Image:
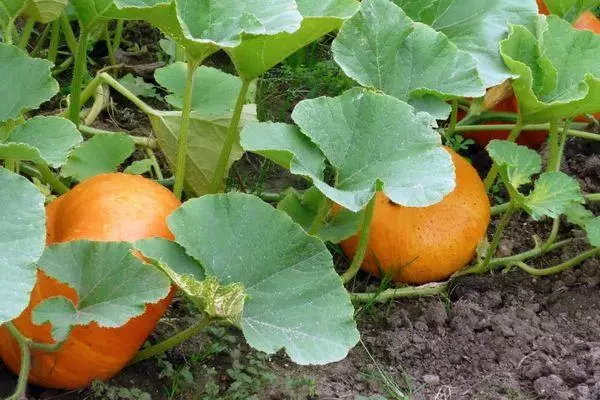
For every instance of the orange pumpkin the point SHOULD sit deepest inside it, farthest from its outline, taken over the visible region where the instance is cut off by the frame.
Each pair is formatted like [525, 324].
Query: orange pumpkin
[421, 245]
[109, 207]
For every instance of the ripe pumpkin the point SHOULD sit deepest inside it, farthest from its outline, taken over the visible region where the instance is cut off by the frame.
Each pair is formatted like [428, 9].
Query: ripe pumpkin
[421, 245]
[533, 139]
[109, 207]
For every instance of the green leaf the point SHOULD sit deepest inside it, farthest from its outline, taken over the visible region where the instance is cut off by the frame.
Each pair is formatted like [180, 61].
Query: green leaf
[519, 162]
[577, 214]
[475, 27]
[22, 239]
[139, 167]
[559, 70]
[296, 301]
[102, 153]
[381, 47]
[139, 87]
[47, 140]
[592, 228]
[205, 140]
[45, 11]
[304, 208]
[172, 254]
[215, 92]
[570, 9]
[9, 10]
[26, 82]
[368, 148]
[553, 194]
[204, 26]
[257, 54]
[285, 145]
[112, 285]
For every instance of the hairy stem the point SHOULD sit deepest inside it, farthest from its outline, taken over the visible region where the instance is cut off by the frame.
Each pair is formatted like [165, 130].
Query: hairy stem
[558, 268]
[67, 32]
[451, 130]
[23, 342]
[184, 130]
[40, 41]
[117, 38]
[363, 242]
[535, 252]
[514, 134]
[139, 141]
[77, 82]
[54, 41]
[171, 342]
[51, 179]
[109, 45]
[553, 141]
[232, 138]
[26, 34]
[322, 214]
[433, 289]
[155, 164]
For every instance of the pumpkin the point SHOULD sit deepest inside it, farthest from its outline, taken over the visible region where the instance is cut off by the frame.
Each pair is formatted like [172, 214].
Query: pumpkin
[421, 245]
[109, 207]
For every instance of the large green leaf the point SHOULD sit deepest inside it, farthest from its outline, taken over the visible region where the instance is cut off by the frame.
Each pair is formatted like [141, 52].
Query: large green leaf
[101, 154]
[559, 69]
[304, 208]
[9, 10]
[26, 82]
[171, 254]
[204, 26]
[570, 9]
[22, 239]
[381, 47]
[257, 54]
[205, 140]
[215, 92]
[475, 26]
[45, 11]
[112, 285]
[296, 301]
[47, 140]
[370, 139]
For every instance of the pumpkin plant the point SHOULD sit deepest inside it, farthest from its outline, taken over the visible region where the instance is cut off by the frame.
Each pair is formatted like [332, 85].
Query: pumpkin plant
[88, 276]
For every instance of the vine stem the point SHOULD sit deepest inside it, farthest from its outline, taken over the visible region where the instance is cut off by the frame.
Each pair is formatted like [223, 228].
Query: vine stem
[537, 251]
[500, 208]
[118, 37]
[553, 158]
[453, 120]
[26, 345]
[139, 141]
[363, 242]
[54, 41]
[171, 342]
[558, 268]
[67, 32]
[514, 134]
[322, 213]
[155, 164]
[51, 179]
[77, 82]
[184, 129]
[112, 82]
[432, 289]
[26, 34]
[232, 137]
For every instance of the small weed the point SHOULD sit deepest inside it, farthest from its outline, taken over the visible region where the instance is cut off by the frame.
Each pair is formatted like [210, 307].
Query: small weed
[180, 379]
[102, 390]
[458, 143]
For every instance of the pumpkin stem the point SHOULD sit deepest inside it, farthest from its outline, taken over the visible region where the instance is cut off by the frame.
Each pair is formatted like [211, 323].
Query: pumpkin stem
[25, 362]
[359, 256]
[453, 120]
[322, 213]
[558, 268]
[431, 289]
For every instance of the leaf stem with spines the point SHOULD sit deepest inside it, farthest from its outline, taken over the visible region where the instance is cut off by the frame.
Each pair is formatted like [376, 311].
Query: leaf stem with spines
[232, 137]
[77, 82]
[54, 41]
[184, 129]
[363, 242]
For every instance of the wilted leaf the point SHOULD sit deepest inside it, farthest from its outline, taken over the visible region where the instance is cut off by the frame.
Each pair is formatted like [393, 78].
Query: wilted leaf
[45, 11]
